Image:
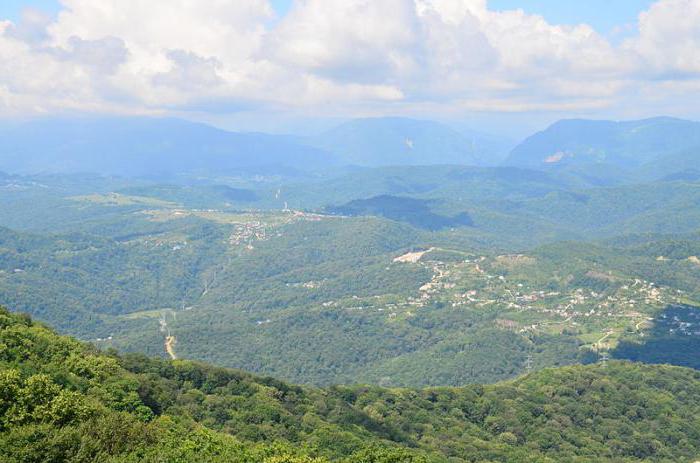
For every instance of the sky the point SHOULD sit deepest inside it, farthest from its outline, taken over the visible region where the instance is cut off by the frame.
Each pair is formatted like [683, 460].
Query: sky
[603, 15]
[283, 65]
[12, 9]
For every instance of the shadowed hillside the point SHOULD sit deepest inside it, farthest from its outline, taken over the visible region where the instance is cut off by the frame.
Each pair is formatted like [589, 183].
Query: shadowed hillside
[674, 339]
[412, 211]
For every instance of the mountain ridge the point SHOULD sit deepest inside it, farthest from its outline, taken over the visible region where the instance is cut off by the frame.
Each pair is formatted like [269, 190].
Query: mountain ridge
[628, 143]
[146, 146]
[383, 141]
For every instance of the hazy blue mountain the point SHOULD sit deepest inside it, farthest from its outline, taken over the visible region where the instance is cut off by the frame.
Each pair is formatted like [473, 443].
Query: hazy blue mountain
[146, 146]
[682, 165]
[689, 175]
[401, 141]
[623, 144]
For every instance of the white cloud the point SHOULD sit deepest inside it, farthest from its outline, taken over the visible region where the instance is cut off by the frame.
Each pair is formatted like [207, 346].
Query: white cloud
[669, 39]
[352, 40]
[339, 56]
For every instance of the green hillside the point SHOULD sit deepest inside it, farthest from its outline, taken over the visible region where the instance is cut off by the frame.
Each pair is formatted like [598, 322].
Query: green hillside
[358, 299]
[61, 400]
[624, 143]
[320, 299]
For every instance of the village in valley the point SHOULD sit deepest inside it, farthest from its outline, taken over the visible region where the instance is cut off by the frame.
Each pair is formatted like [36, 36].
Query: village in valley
[525, 294]
[524, 300]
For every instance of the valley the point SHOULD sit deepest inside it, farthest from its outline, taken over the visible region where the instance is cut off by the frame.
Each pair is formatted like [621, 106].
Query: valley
[349, 231]
[393, 275]
[320, 297]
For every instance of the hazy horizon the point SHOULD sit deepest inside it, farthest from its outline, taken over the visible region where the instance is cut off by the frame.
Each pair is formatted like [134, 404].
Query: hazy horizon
[504, 67]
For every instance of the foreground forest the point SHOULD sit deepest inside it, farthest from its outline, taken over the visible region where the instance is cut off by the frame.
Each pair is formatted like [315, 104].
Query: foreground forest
[62, 400]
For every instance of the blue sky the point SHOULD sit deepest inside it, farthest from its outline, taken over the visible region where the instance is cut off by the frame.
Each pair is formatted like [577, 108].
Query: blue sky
[604, 15]
[282, 6]
[11, 9]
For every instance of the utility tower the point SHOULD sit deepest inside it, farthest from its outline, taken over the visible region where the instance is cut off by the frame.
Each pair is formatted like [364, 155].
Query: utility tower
[604, 357]
[528, 363]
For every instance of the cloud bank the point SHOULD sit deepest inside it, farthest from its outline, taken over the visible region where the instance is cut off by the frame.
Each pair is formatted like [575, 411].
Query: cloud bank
[341, 57]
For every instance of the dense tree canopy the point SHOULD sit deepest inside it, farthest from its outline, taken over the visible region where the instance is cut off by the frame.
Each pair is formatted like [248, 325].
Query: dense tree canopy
[61, 400]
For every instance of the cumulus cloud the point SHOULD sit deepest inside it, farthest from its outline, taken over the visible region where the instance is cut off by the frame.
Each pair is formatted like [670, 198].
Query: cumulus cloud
[669, 39]
[31, 27]
[190, 72]
[105, 55]
[339, 56]
[353, 41]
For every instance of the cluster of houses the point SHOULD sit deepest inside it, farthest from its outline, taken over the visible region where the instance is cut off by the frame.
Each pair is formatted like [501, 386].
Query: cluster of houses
[247, 233]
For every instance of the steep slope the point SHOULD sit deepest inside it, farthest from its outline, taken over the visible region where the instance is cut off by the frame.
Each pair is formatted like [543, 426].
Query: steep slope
[622, 144]
[64, 401]
[146, 146]
[401, 141]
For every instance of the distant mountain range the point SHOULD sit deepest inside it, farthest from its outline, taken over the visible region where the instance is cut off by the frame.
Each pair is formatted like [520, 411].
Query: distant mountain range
[140, 146]
[400, 141]
[598, 152]
[673, 144]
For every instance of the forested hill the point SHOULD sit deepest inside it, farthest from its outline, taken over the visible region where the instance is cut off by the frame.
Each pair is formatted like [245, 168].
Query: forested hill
[61, 400]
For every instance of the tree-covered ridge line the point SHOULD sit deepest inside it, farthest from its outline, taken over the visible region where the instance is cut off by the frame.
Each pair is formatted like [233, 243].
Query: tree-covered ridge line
[62, 400]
